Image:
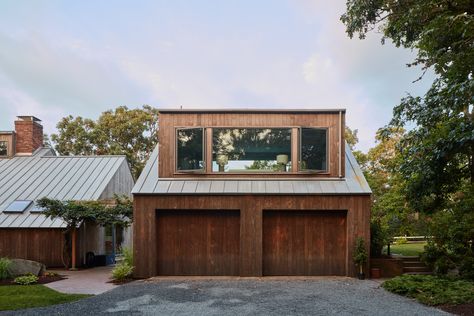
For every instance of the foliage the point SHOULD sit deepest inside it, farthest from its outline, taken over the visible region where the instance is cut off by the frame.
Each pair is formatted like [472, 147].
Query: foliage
[378, 237]
[432, 290]
[401, 241]
[16, 297]
[122, 271]
[50, 274]
[360, 252]
[27, 279]
[75, 212]
[453, 232]
[438, 153]
[127, 255]
[5, 264]
[122, 131]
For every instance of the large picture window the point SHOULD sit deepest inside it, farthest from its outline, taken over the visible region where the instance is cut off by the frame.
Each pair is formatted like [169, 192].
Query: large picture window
[251, 149]
[313, 149]
[190, 149]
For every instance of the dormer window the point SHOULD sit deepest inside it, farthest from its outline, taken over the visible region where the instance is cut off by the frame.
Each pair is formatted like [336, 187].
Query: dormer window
[251, 149]
[3, 148]
[190, 149]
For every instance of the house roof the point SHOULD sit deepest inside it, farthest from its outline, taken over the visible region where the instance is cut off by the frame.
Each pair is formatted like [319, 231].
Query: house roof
[353, 183]
[253, 110]
[60, 177]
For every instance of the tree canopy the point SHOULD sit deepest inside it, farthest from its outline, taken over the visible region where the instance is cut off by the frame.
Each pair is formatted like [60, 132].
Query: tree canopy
[122, 131]
[437, 154]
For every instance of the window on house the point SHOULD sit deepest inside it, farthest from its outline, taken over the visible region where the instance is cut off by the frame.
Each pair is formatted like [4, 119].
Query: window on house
[251, 149]
[3, 148]
[190, 149]
[313, 149]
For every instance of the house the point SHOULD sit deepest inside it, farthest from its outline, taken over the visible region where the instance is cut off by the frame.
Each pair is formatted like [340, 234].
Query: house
[250, 193]
[29, 171]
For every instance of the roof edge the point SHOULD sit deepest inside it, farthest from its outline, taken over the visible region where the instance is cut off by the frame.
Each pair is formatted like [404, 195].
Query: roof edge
[249, 110]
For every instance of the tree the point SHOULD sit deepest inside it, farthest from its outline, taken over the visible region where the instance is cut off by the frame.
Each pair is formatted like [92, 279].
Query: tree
[437, 153]
[74, 213]
[122, 131]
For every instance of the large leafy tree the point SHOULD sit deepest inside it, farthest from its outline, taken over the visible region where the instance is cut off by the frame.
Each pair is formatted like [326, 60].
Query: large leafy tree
[438, 153]
[122, 131]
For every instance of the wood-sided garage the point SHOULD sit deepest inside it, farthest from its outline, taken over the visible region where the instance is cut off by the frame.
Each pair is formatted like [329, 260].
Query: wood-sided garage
[198, 242]
[185, 227]
[299, 242]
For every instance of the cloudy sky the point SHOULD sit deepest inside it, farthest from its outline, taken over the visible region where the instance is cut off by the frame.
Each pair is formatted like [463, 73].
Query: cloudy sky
[83, 57]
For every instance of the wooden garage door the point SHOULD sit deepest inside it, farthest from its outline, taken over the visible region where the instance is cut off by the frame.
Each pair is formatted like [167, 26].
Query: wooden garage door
[198, 242]
[304, 243]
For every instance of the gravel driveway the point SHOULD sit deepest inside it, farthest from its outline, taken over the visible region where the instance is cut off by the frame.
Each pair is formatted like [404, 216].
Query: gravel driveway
[320, 296]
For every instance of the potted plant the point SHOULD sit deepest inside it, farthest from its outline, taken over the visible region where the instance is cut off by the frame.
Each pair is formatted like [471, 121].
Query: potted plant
[360, 257]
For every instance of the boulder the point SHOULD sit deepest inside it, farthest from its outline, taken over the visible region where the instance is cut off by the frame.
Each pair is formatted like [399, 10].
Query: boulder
[21, 267]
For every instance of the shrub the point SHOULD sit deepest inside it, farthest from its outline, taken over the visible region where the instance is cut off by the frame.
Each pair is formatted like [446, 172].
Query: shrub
[127, 256]
[122, 271]
[378, 238]
[432, 290]
[50, 274]
[26, 279]
[5, 264]
[466, 270]
[401, 241]
[360, 253]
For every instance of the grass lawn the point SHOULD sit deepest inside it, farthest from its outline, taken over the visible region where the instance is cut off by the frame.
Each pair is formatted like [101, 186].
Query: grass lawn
[432, 290]
[13, 297]
[408, 249]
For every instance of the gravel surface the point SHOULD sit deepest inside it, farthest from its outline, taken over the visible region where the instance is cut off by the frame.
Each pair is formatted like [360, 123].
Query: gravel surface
[325, 296]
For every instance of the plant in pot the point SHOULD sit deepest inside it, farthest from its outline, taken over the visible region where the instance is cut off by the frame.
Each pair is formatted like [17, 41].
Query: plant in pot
[360, 257]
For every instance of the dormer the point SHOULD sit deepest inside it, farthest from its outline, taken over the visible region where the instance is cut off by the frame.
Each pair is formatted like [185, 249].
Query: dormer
[251, 143]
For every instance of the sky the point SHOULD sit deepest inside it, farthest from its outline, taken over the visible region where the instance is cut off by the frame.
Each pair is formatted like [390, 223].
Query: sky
[80, 58]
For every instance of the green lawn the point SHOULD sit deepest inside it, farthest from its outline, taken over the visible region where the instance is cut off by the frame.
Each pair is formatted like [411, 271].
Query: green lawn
[408, 249]
[432, 290]
[13, 297]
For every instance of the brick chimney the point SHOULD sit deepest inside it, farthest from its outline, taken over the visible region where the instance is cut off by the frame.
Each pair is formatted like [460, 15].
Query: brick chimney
[29, 135]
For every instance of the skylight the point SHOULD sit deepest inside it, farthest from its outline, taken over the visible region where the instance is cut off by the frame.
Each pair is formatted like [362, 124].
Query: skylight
[18, 206]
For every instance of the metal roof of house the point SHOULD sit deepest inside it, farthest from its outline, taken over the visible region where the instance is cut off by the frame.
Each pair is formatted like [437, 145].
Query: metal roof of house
[45, 175]
[353, 183]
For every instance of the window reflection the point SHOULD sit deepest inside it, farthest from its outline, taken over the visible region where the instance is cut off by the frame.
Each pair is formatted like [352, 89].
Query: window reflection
[313, 149]
[190, 149]
[251, 150]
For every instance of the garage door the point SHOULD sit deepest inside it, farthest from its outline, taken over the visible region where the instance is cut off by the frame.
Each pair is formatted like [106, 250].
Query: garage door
[304, 243]
[197, 242]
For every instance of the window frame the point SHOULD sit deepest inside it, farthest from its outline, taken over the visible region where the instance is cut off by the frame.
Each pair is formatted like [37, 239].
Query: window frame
[6, 148]
[263, 172]
[300, 150]
[177, 129]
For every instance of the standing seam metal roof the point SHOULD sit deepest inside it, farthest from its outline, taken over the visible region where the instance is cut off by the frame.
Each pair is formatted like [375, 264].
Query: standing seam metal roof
[353, 183]
[81, 178]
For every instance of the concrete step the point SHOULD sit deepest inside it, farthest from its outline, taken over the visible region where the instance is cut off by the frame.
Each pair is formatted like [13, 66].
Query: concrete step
[416, 269]
[413, 264]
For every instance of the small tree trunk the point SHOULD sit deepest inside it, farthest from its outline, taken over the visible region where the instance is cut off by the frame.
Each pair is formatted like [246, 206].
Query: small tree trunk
[73, 254]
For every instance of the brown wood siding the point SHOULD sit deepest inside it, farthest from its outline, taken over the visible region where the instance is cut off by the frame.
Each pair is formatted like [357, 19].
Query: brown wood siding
[10, 139]
[42, 245]
[304, 243]
[170, 121]
[197, 242]
[251, 224]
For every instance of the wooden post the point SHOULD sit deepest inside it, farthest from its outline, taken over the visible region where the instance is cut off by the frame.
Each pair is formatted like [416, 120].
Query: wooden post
[73, 255]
